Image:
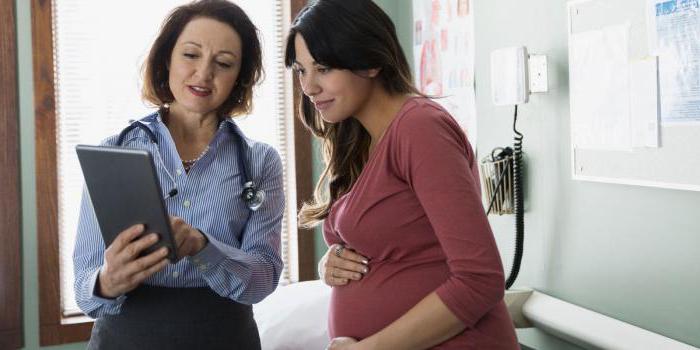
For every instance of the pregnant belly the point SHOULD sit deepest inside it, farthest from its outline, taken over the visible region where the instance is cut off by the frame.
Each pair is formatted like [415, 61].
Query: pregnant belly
[362, 308]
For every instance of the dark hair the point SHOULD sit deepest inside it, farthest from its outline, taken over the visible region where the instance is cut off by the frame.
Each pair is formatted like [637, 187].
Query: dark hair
[354, 35]
[156, 89]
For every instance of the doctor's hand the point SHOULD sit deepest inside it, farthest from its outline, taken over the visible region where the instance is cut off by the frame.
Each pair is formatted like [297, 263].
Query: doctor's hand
[188, 240]
[123, 268]
[340, 265]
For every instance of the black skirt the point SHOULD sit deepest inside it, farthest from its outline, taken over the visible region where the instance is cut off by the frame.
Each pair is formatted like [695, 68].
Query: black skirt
[176, 318]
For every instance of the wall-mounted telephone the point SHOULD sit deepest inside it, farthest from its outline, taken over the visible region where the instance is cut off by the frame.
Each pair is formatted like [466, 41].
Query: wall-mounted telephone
[514, 75]
[509, 76]
[501, 173]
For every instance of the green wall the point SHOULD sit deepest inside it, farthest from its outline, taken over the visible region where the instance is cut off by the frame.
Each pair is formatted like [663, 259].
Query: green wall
[625, 251]
[400, 12]
[628, 252]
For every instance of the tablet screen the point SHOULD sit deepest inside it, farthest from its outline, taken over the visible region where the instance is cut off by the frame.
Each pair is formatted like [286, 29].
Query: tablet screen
[124, 190]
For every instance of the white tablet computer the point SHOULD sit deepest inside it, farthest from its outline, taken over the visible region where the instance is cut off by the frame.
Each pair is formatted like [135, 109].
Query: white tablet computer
[124, 190]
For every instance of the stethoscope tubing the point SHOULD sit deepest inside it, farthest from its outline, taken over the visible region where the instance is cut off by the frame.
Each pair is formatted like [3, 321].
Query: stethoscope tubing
[251, 195]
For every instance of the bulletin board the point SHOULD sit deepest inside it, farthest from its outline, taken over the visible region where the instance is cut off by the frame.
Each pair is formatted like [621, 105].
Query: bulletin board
[606, 147]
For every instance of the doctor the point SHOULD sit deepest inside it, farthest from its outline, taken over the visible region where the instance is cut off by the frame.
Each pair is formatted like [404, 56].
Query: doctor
[226, 209]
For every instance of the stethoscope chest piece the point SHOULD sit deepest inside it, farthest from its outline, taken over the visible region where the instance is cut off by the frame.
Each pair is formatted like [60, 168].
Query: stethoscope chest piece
[252, 196]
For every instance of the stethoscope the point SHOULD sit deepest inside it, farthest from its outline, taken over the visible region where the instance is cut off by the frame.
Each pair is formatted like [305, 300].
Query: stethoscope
[251, 194]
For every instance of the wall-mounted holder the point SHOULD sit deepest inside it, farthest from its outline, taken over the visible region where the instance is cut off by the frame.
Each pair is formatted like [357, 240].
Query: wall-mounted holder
[498, 192]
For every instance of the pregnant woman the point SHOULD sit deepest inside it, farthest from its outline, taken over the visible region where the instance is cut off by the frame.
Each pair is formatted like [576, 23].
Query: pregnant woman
[412, 259]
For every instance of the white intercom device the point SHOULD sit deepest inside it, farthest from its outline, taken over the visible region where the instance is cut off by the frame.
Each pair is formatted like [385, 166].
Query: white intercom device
[515, 74]
[509, 76]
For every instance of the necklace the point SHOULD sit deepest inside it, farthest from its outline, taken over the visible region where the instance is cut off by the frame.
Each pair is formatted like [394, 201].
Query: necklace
[187, 164]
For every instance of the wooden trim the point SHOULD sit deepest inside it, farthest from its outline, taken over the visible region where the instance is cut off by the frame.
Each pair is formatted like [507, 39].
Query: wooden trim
[51, 328]
[11, 339]
[11, 320]
[304, 178]
[54, 334]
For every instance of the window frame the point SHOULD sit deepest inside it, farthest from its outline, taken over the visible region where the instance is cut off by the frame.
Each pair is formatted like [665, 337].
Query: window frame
[11, 318]
[54, 328]
[303, 157]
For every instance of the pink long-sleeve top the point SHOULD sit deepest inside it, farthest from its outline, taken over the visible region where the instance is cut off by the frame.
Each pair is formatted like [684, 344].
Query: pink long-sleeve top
[416, 213]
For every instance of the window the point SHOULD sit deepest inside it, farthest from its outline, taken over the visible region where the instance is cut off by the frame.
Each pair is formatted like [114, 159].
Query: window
[10, 281]
[89, 89]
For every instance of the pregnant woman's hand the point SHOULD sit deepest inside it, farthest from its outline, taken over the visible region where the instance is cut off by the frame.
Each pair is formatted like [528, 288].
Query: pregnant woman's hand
[340, 265]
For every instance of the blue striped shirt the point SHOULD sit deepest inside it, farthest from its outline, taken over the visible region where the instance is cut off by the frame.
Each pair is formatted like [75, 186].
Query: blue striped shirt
[242, 259]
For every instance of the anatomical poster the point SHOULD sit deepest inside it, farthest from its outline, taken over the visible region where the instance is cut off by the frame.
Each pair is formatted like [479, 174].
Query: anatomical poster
[443, 52]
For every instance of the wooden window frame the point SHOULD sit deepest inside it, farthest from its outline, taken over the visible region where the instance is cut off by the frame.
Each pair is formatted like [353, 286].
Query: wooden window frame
[55, 329]
[11, 330]
[303, 156]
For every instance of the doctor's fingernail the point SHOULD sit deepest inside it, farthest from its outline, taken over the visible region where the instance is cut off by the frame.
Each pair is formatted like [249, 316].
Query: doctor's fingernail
[364, 261]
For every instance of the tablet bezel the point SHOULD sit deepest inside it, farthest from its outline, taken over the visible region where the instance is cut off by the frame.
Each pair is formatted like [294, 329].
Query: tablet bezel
[124, 190]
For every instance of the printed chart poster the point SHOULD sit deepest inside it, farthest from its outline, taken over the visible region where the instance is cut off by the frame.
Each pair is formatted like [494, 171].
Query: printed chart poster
[675, 36]
[443, 51]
